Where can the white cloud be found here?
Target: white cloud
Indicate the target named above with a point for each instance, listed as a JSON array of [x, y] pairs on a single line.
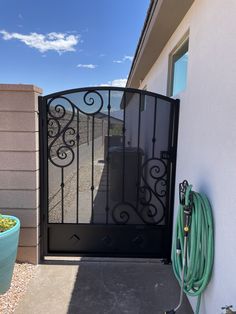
[[60, 42], [87, 66], [130, 58], [116, 82], [125, 58]]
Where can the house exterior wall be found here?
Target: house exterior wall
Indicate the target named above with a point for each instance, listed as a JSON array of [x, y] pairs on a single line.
[[207, 130], [19, 166]]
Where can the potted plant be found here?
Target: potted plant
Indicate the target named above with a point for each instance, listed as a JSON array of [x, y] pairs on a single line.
[[9, 237]]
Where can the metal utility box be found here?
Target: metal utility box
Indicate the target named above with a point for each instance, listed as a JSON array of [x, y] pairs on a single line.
[[114, 141]]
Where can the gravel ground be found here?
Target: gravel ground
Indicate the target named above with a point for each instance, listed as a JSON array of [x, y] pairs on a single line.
[[20, 281]]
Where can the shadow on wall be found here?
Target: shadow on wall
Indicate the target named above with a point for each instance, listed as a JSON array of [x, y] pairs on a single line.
[[205, 188]]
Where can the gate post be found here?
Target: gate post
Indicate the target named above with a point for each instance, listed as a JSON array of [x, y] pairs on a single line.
[[19, 163]]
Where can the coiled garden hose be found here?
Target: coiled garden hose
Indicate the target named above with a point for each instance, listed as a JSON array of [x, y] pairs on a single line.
[[193, 245]]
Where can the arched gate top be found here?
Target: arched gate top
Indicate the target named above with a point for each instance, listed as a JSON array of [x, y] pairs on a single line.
[[107, 89]]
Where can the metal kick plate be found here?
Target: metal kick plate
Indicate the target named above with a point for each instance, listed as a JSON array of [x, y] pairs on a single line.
[[110, 240]]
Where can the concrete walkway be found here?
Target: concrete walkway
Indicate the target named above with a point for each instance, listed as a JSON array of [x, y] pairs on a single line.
[[102, 286]]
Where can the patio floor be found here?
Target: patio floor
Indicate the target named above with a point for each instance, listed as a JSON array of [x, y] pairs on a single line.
[[102, 286]]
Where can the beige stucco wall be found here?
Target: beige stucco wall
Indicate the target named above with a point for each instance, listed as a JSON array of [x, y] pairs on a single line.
[[207, 130], [19, 166]]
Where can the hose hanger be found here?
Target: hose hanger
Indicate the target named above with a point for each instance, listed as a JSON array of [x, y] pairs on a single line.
[[182, 191]]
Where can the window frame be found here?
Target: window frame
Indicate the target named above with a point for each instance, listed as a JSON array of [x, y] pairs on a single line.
[[174, 55]]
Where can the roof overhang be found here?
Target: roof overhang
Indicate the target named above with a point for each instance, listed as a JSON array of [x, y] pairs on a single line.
[[163, 17]]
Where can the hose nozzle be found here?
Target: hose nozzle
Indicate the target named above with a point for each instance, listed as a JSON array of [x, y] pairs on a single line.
[[170, 312]]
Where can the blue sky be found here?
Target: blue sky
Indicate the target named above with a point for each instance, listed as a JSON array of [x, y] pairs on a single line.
[[59, 45]]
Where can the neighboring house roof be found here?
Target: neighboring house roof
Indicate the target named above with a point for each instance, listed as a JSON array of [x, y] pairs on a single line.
[[101, 115], [162, 19]]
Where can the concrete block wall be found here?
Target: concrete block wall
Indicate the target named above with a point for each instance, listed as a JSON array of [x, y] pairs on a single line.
[[19, 163]]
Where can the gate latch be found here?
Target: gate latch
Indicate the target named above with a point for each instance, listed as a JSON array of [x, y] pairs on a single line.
[[169, 155]]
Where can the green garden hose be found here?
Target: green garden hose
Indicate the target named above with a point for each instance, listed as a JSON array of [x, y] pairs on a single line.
[[193, 245]]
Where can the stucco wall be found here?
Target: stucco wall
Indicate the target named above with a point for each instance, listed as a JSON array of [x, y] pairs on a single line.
[[207, 130]]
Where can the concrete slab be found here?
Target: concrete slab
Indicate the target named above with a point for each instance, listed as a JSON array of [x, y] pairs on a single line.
[[103, 287]]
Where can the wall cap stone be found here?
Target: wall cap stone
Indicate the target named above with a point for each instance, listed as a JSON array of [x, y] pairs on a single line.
[[20, 88]]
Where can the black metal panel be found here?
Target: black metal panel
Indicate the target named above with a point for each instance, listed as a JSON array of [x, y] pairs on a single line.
[[106, 240], [94, 188]]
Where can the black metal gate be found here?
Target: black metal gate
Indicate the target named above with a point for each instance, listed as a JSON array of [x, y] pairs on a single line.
[[107, 165]]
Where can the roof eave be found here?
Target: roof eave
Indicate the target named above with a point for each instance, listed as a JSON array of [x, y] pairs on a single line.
[[163, 17]]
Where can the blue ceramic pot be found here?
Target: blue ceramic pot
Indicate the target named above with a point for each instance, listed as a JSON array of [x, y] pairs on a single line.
[[8, 250]]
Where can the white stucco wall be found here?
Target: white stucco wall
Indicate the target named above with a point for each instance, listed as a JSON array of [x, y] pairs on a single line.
[[207, 130]]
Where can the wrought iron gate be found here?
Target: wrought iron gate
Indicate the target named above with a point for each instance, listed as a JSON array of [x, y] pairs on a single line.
[[107, 164]]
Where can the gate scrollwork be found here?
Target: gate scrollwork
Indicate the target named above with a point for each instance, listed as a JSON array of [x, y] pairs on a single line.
[[152, 196], [153, 190], [61, 112], [62, 132]]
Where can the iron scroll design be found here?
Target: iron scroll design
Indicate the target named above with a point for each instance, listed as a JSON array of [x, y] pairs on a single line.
[[150, 207], [60, 117], [62, 131], [154, 190]]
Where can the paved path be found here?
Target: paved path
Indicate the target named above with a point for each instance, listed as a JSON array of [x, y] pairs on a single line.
[[92, 286]]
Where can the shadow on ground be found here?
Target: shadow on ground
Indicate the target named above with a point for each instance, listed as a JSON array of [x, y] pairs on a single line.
[[134, 288], [89, 286]]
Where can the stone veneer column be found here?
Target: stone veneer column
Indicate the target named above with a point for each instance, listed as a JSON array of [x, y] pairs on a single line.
[[19, 163]]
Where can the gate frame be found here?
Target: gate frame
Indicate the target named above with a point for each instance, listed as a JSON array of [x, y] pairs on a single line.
[[43, 164]]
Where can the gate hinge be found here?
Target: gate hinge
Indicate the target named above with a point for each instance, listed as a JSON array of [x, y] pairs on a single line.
[[168, 155]]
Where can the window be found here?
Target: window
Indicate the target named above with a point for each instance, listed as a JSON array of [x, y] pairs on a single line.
[[178, 63]]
